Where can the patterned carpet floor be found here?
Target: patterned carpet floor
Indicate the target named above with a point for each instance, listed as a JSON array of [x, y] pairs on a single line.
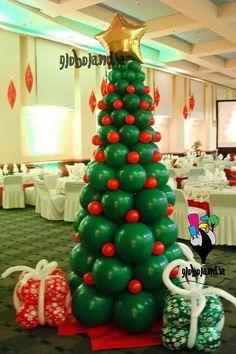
[[25, 238]]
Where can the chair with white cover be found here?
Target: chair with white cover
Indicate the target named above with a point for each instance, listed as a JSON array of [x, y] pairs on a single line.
[[13, 193], [72, 202], [31, 194], [223, 205], [78, 170], [51, 205], [69, 169], [50, 181], [172, 178], [180, 214]]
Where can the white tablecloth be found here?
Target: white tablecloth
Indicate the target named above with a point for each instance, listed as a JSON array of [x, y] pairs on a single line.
[[28, 178], [60, 187], [199, 192]]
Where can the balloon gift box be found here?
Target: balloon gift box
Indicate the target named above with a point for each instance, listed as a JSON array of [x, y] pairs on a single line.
[[193, 314], [41, 295]]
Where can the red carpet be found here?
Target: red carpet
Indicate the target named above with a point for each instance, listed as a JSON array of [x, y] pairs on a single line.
[[110, 336]]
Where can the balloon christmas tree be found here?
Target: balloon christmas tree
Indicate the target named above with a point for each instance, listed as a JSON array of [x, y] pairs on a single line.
[[125, 237]]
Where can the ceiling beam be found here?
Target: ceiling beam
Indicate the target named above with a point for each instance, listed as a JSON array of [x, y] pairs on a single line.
[[214, 47], [227, 12]]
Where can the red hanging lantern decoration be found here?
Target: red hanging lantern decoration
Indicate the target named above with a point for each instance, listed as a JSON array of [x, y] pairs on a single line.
[[185, 112], [157, 97], [192, 103], [104, 87], [11, 94], [29, 78], [92, 101]]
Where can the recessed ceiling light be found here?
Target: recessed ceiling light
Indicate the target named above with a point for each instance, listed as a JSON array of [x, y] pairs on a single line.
[[139, 3]]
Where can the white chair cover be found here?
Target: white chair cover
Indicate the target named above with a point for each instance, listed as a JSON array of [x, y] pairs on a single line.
[[51, 206], [13, 193], [69, 169], [180, 214], [78, 170], [72, 202], [224, 206], [30, 195], [50, 181], [172, 183]]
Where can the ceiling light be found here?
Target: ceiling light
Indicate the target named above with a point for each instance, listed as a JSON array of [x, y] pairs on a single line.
[[139, 3]]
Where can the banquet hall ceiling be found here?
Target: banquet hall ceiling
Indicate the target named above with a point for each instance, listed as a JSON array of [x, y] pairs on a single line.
[[190, 37]]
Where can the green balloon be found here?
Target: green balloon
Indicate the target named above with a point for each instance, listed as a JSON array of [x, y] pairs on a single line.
[[135, 313], [74, 282], [90, 164], [111, 275], [213, 220], [98, 176], [132, 177], [118, 117], [175, 338], [159, 297], [151, 204], [116, 155], [154, 146], [87, 195], [139, 87], [174, 252], [79, 216], [129, 134], [114, 75], [90, 307], [208, 339], [213, 311], [170, 194], [150, 272], [148, 98], [145, 152], [120, 64], [94, 231], [135, 66], [116, 204], [134, 242], [101, 114], [120, 86], [159, 171], [165, 231], [103, 131], [81, 260], [140, 76], [129, 75], [131, 102], [110, 98], [142, 118]]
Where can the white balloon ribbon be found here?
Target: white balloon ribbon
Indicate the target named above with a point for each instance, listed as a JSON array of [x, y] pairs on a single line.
[[41, 272], [194, 291]]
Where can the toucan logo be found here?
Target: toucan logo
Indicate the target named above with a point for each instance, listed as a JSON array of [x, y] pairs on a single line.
[[203, 238]]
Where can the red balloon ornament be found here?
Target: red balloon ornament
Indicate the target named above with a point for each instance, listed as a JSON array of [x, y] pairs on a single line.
[[133, 157], [152, 121], [118, 104], [113, 184], [157, 137], [108, 249], [99, 156], [96, 141], [95, 207], [169, 210], [102, 105], [145, 137], [132, 215], [152, 108], [92, 101], [29, 78], [134, 286], [113, 137], [106, 120], [158, 248], [157, 97], [157, 156], [143, 105], [174, 273], [130, 89], [104, 87], [77, 238], [185, 112], [110, 88], [129, 119], [11, 94], [192, 103], [85, 178], [88, 278], [146, 89], [150, 183]]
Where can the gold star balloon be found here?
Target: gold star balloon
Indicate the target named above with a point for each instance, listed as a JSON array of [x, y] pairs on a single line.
[[122, 38]]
